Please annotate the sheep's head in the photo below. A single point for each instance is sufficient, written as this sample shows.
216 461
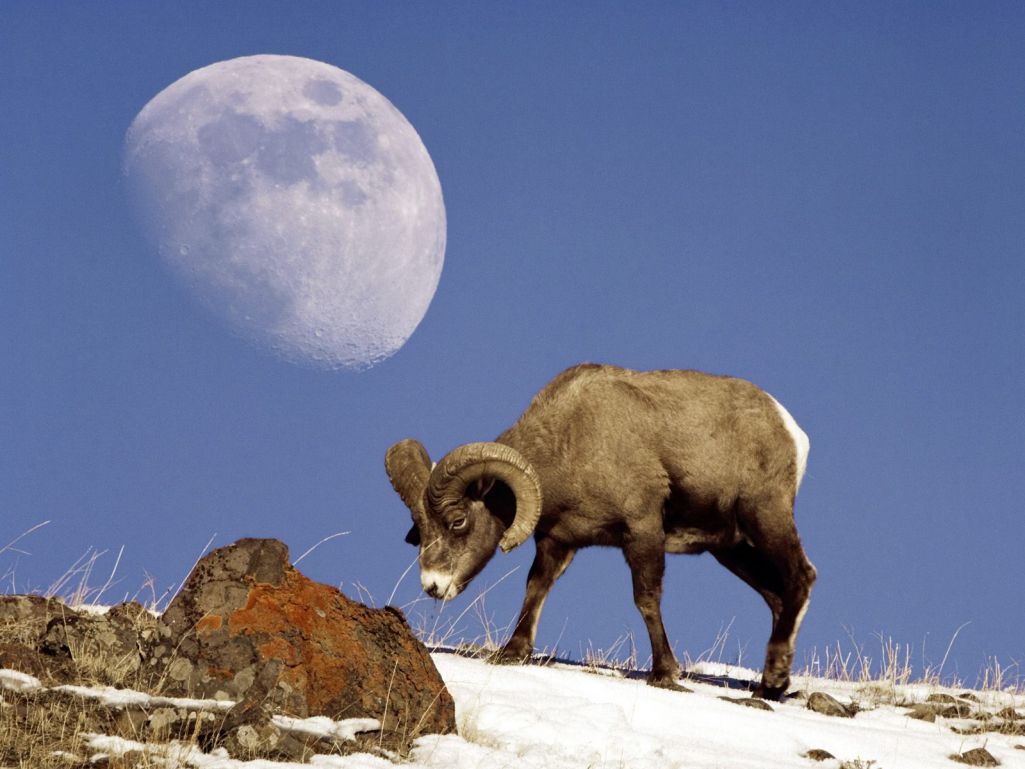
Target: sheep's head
478 497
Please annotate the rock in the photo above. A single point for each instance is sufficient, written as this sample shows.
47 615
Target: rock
927 711
1010 714
25 659
923 712
953 707
104 647
248 732
816 754
250 741
975 757
23 618
247 626
823 703
957 710
749 702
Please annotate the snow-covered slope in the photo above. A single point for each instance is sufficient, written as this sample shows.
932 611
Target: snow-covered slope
564 717
555 718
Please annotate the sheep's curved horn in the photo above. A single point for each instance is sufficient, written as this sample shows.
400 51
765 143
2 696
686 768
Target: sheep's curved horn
409 468
466 464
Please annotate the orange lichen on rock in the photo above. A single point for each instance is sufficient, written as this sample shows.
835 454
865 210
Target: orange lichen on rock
304 644
208 624
221 673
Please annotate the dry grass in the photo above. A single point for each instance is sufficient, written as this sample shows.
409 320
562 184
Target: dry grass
882 677
51 729
621 654
31 734
441 632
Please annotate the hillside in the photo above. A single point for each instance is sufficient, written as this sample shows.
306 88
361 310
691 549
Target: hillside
567 717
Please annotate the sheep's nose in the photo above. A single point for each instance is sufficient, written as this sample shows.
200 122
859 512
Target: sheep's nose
435 584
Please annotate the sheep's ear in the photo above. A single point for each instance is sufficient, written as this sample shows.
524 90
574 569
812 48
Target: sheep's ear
413 536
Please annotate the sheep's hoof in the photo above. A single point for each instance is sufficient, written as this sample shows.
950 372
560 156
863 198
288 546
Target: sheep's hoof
772 693
510 657
667 682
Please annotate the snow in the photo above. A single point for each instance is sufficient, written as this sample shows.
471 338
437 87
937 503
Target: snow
565 717
322 726
121 698
545 717
92 609
18 682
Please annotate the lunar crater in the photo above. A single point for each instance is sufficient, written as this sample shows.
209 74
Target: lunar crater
296 202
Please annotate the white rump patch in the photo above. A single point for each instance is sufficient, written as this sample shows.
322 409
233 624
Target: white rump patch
801 443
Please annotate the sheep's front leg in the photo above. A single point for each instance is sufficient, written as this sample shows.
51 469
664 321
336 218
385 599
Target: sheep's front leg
550 562
647 561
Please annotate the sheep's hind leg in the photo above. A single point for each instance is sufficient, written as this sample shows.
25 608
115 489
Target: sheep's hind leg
775 537
550 562
647 563
758 572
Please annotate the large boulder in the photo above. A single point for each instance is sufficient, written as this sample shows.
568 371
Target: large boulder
248 626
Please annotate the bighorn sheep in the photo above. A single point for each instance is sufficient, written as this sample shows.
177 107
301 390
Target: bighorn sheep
649 462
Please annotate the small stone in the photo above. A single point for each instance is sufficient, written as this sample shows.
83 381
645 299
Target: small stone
749 702
816 754
1010 714
948 708
820 702
957 710
975 757
923 712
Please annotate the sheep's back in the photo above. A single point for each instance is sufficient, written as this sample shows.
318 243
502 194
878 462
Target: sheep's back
612 433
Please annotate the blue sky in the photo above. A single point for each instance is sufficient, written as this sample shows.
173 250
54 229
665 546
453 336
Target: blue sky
827 199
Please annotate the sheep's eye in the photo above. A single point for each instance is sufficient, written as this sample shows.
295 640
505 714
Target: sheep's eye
459 524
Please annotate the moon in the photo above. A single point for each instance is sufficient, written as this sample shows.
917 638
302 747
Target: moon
296 202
